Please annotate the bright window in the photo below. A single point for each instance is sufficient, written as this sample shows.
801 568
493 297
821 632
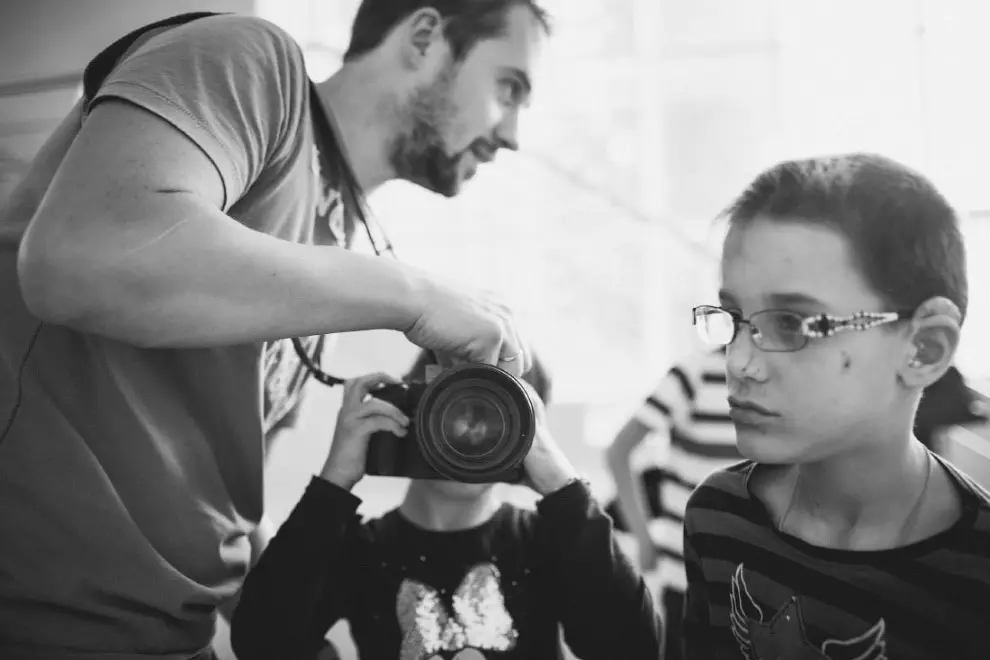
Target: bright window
649 116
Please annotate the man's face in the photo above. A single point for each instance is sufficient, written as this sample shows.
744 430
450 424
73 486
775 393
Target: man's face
831 395
469 110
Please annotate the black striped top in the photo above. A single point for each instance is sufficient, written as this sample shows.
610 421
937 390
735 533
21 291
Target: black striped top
756 593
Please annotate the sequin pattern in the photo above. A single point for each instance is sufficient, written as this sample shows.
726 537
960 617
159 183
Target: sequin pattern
480 620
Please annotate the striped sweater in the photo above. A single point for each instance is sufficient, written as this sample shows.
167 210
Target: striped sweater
757 594
691 436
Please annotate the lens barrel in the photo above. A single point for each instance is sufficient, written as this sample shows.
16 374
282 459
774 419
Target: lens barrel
475 422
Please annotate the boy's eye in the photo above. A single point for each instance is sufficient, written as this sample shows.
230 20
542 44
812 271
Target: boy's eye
788 322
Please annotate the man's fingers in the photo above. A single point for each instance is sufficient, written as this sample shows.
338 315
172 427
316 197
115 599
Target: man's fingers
512 355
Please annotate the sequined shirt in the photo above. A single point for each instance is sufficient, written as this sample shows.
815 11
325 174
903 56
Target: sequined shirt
499 590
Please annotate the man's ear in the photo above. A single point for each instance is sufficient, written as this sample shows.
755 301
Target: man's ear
934 338
422 37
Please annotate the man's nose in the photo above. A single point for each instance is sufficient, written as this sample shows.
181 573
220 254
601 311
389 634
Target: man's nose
507 131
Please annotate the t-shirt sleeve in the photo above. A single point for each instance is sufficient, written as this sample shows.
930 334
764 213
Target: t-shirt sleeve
234 85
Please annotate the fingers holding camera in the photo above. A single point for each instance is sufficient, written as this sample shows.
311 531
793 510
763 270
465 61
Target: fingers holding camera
360 416
356 390
475 327
378 415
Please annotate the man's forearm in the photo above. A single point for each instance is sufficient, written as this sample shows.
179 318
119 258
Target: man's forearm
209 281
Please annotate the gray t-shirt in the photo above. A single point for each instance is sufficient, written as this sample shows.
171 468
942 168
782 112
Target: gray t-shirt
131 478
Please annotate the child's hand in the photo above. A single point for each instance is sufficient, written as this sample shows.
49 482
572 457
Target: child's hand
360 415
547 468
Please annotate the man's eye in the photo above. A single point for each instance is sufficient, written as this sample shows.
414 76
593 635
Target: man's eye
511 91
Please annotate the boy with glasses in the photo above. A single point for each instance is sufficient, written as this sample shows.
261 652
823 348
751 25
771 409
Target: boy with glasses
843 292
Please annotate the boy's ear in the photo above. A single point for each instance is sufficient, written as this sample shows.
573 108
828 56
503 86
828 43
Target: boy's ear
935 331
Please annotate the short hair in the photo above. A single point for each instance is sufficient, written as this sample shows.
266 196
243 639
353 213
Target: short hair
904 234
538 377
466 22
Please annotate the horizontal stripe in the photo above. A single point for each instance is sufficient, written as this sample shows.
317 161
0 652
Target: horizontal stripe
936 588
654 420
692 469
674 497
677 465
671 574
967 545
709 433
860 597
659 405
708 449
684 381
711 418
667 534
714 378
712 399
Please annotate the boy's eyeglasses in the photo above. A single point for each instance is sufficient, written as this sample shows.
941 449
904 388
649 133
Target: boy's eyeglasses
780 330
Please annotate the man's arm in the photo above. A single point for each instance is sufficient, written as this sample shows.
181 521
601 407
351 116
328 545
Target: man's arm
300 586
130 242
604 604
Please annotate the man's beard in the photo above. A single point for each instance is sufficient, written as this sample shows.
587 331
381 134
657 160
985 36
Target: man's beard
418 153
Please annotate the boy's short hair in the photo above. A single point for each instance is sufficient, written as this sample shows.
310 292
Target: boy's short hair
466 21
538 377
904 234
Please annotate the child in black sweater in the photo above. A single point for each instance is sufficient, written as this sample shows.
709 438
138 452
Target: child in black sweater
453 572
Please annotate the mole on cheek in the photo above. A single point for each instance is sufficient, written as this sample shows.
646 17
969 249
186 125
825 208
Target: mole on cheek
846 362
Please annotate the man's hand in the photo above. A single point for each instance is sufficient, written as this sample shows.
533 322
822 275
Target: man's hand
547 469
360 415
469 326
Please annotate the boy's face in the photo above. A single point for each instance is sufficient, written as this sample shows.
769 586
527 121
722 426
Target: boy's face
836 393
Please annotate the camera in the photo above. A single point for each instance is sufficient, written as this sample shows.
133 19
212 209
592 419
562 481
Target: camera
472 423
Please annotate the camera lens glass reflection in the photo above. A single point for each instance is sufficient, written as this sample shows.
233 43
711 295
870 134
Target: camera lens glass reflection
473 426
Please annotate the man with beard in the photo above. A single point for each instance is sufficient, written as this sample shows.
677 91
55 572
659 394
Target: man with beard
189 216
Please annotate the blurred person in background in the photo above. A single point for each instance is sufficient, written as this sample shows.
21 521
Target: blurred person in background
192 214
946 403
688 435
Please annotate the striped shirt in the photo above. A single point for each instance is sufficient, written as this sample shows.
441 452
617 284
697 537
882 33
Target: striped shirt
691 436
755 593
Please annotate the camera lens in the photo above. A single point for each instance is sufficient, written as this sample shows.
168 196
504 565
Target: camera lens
473 426
474 423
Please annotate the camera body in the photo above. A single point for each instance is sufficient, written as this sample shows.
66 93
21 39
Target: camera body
472 423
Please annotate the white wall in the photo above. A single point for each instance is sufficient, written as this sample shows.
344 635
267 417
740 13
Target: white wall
44 39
